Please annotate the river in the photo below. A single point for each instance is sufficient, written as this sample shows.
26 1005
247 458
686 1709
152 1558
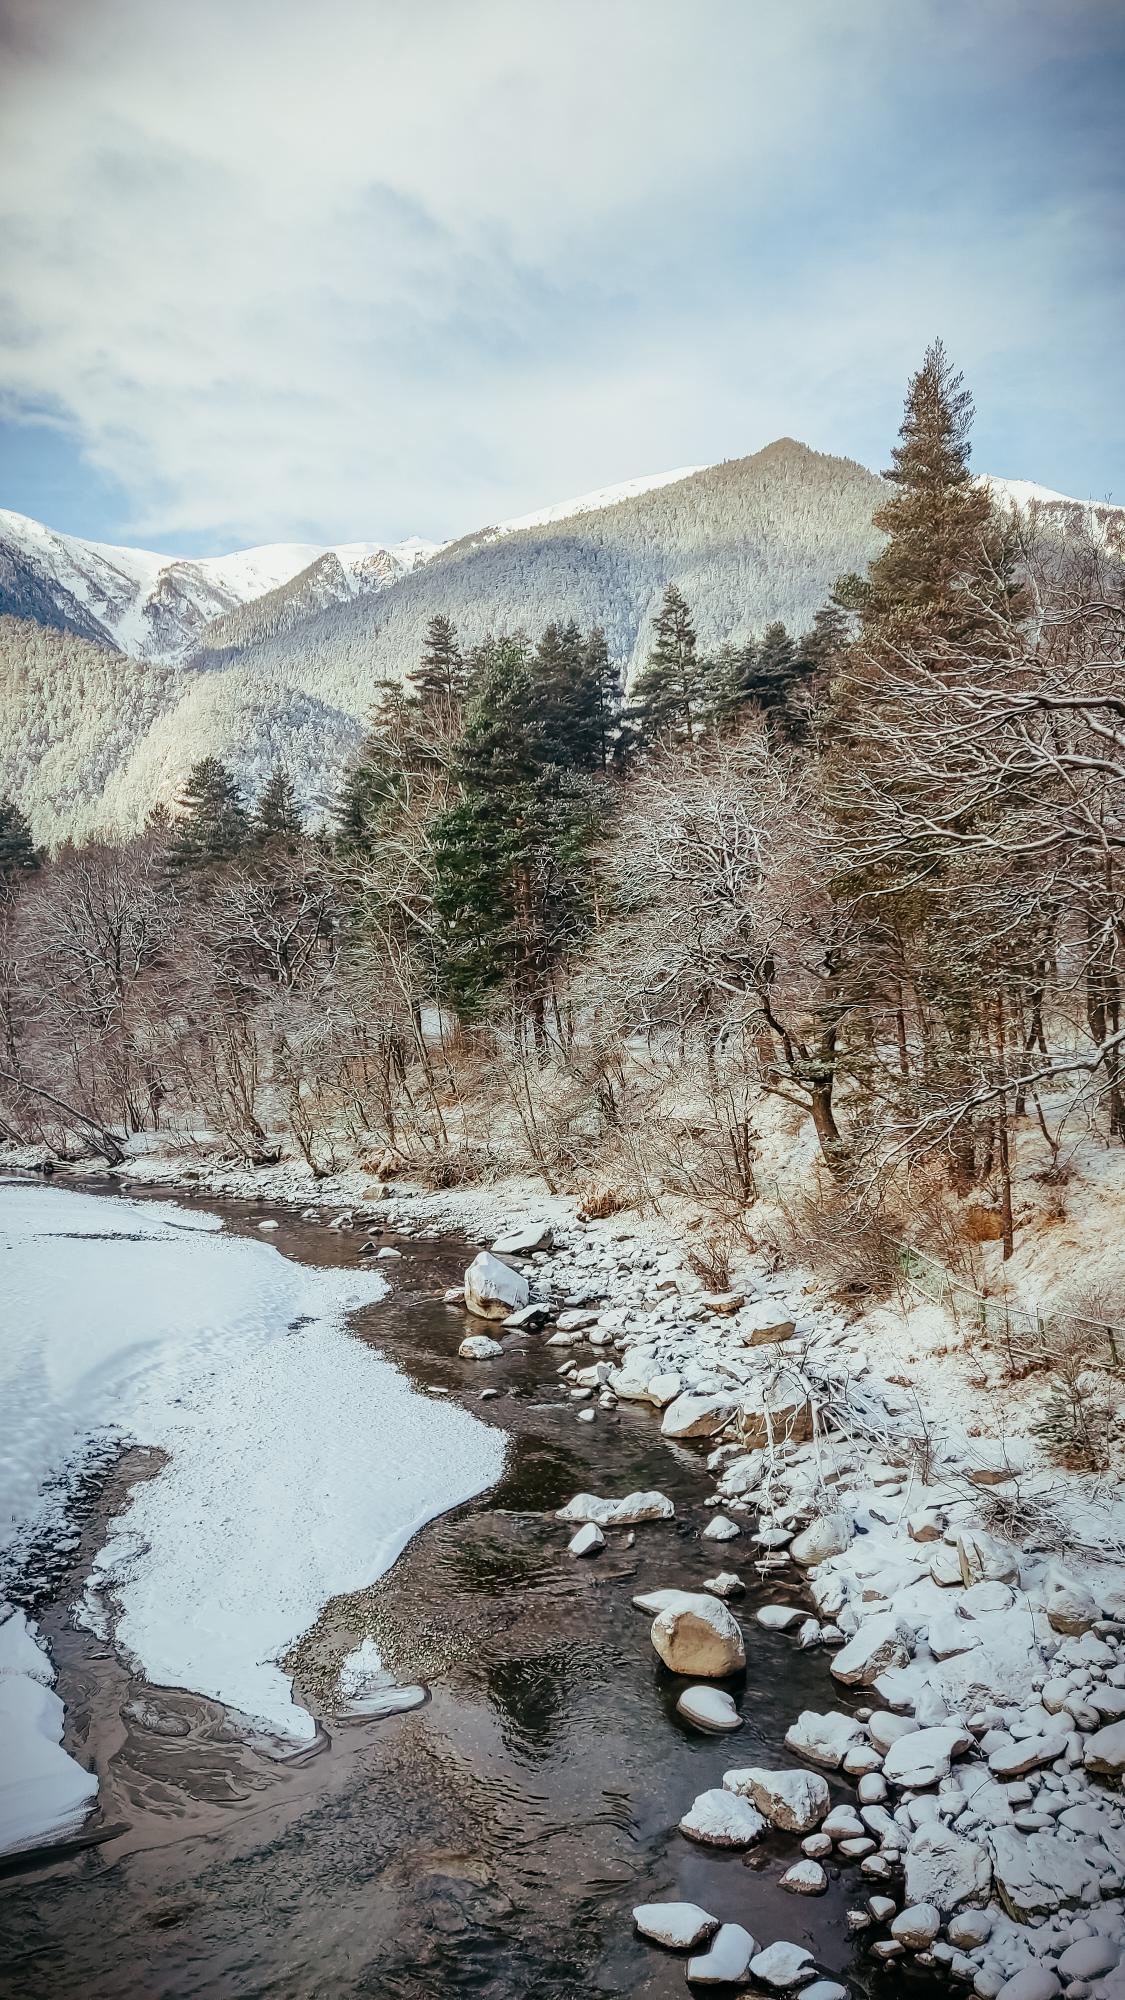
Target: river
491 1842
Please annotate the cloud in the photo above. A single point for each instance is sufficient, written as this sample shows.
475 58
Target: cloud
417 264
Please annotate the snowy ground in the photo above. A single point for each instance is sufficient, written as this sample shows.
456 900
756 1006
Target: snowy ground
298 1461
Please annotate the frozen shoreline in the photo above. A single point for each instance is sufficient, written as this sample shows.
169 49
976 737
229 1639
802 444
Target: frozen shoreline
235 1364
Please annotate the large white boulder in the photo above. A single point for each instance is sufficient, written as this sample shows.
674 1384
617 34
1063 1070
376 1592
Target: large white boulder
720 1819
617 1513
691 1416
796 1801
828 1535
726 1959
782 1967
921 1757
521 1242
943 1869
679 1926
698 1636
709 1709
880 1642
823 1739
493 1289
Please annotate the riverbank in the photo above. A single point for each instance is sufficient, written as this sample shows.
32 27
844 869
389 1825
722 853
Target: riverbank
999 1657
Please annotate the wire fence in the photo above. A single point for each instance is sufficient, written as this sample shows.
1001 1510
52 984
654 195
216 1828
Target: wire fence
1024 1331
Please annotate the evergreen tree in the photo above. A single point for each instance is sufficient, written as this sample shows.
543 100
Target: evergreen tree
440 675
669 698
603 677
569 698
18 852
213 825
277 816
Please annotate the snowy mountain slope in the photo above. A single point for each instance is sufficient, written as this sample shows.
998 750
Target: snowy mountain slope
1100 519
155 607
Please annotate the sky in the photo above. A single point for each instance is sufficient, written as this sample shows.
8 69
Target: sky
376 268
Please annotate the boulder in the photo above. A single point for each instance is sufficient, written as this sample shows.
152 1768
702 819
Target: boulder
823 1739
617 1513
805 1878
587 1541
923 1756
720 1529
982 1559
917 1926
943 1869
1043 1872
796 1801
779 1409
698 1636
722 1302
726 1959
879 1643
492 1289
479 1347
663 1389
690 1416
763 1323
719 1818
726 1584
1089 1958
710 1709
679 1926
1012 1760
1071 1609
1034 1982
521 1242
782 1967
828 1535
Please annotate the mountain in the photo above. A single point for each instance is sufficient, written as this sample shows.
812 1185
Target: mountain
156 607
286 669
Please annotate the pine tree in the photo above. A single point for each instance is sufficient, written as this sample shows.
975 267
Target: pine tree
603 677
277 816
570 698
440 675
213 825
669 698
18 853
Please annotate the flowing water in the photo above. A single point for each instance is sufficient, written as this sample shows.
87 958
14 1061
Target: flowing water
489 1843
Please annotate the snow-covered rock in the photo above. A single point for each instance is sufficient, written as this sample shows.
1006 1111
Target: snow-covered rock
721 1529
710 1709
726 1959
679 1926
479 1347
699 1636
624 1513
691 1416
917 1926
805 1878
923 1756
796 1801
521 1242
761 1324
879 1643
587 1541
782 1967
823 1739
943 1869
493 1289
829 1535
719 1818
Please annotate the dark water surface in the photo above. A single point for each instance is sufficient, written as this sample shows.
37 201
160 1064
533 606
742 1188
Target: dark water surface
491 1843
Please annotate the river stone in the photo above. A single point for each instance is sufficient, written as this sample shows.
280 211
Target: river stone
696 1416
663 1389
780 1409
720 1819
829 1535
1089 1958
761 1324
492 1289
587 1541
479 1347
982 1559
823 1739
943 1869
825 1989
796 1801
521 1242
699 1637
923 1756
529 1319
1071 1609
1037 1875
617 1513
885 1728
1035 1982
1014 1759
779 1617
722 1302
726 1959
879 1643
677 1925
782 1967
726 1584
805 1878
710 1709
720 1529
917 1926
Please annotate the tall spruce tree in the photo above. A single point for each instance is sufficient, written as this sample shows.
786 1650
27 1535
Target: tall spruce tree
569 699
670 696
603 677
19 855
212 824
440 676
277 815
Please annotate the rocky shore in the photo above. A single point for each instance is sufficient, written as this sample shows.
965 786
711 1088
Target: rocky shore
967 1596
